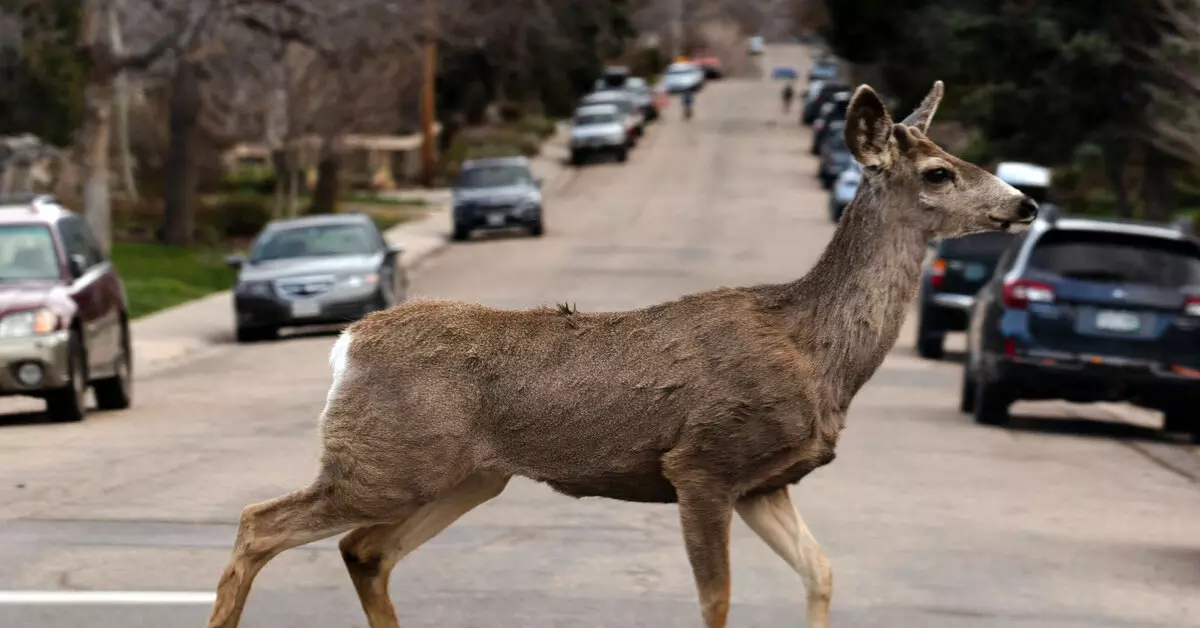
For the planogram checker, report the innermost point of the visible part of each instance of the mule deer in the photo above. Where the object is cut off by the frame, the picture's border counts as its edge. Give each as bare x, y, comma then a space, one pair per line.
717, 401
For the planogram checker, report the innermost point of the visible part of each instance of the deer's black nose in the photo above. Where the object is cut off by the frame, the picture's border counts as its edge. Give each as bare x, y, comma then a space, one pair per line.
1028, 209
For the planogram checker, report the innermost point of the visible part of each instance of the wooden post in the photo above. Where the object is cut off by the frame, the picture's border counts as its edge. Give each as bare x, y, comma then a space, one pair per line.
428, 96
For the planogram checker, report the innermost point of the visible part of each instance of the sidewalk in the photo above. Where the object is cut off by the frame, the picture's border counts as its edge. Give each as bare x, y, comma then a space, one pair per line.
203, 326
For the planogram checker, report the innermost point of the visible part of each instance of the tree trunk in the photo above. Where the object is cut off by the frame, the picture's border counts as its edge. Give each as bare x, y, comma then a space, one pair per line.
325, 195
1158, 185
182, 173
279, 162
123, 86
97, 136
1115, 159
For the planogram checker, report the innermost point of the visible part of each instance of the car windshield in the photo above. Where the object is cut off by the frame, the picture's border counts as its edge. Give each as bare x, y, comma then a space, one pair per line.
680, 70
1117, 258
494, 176
586, 119
27, 252
978, 247
314, 241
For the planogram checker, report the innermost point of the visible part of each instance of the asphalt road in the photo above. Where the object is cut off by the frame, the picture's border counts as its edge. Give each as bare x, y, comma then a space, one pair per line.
930, 521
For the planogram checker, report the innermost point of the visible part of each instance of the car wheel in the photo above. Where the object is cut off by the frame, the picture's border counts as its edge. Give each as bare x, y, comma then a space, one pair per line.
460, 233
623, 155
116, 392
826, 182
536, 229
966, 394
66, 405
1183, 418
930, 344
576, 158
991, 403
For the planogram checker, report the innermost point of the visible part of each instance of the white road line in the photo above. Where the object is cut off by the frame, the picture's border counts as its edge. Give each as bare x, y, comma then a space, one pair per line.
106, 597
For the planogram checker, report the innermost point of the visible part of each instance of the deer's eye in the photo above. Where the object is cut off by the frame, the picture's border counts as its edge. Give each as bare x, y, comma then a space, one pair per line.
938, 175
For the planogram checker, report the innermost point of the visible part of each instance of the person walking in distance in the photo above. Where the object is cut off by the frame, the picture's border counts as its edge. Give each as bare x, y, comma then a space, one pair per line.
689, 99
789, 93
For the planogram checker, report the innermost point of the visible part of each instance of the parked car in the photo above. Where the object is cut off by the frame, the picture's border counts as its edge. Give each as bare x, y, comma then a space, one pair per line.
64, 319
834, 109
316, 270
497, 193
952, 274
824, 69
835, 154
710, 64
844, 189
755, 45
635, 122
683, 76
810, 93
784, 73
1090, 310
614, 77
828, 89
643, 97
598, 129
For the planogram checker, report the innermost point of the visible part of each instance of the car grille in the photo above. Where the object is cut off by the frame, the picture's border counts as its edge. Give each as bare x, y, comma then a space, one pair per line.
304, 287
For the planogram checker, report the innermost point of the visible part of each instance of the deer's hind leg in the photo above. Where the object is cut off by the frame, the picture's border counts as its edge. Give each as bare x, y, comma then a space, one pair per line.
269, 528
773, 517
372, 552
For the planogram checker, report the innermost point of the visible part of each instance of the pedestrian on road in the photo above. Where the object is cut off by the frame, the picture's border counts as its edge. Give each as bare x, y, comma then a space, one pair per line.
789, 93
689, 98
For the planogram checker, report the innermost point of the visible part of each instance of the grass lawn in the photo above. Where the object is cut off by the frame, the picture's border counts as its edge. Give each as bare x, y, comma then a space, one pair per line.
158, 276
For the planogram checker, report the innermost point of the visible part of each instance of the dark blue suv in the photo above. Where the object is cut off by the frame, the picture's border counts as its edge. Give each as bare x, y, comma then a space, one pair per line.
1090, 310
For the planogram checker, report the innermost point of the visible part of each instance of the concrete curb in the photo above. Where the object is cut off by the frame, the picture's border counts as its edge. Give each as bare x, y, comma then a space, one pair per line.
204, 326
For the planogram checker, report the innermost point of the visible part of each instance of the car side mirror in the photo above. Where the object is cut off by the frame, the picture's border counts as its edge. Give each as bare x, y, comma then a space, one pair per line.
395, 248
237, 260
77, 264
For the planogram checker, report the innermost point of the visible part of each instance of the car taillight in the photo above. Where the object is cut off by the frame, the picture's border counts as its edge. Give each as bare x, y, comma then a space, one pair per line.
938, 272
1192, 306
1019, 293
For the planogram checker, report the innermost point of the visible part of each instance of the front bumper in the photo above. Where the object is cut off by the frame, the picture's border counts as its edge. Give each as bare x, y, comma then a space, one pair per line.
1090, 378
50, 352
335, 306
597, 144
505, 217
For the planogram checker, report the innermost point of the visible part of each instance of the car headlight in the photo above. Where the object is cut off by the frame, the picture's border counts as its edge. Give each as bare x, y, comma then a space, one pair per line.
360, 280
255, 288
28, 323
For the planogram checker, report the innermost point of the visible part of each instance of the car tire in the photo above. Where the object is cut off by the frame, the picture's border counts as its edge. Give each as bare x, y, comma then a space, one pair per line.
966, 393
536, 229
826, 182
256, 334
576, 158
991, 403
1183, 418
623, 155
930, 346
460, 233
67, 404
116, 392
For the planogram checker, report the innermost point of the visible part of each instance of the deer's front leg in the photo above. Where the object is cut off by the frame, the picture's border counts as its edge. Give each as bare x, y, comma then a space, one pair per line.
705, 513
776, 521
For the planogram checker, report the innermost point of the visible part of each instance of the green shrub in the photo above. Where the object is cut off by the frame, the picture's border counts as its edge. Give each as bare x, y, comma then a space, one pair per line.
540, 126
249, 181
238, 215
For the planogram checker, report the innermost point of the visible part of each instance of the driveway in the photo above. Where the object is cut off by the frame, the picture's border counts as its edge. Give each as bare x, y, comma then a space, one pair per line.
930, 520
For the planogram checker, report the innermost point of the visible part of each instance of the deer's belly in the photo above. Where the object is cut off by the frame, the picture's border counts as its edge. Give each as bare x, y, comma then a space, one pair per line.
629, 487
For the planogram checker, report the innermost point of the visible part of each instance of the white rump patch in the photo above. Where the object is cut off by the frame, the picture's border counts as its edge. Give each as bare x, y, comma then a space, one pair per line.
339, 361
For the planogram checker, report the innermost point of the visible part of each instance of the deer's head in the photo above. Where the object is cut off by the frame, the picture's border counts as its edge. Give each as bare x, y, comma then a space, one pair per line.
925, 185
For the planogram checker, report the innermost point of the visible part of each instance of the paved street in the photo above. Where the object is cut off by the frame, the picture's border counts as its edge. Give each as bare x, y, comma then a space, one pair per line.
930, 520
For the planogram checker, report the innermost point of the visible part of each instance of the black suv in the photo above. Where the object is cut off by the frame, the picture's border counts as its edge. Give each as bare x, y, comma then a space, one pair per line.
1090, 310
953, 273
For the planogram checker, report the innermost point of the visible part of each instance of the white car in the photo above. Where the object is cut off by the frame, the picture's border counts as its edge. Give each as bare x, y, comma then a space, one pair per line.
684, 76
635, 120
844, 189
755, 45
599, 129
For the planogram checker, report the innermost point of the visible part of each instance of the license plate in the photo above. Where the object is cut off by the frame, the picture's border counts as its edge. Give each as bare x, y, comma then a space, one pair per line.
974, 272
1117, 321
304, 309
495, 219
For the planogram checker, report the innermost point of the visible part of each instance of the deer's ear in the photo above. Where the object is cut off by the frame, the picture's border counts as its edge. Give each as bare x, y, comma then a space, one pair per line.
869, 129
921, 117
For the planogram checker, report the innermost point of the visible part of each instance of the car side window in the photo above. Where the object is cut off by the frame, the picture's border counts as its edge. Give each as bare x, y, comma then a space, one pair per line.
78, 240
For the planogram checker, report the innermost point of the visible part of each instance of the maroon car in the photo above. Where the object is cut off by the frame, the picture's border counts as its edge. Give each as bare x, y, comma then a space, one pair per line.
63, 319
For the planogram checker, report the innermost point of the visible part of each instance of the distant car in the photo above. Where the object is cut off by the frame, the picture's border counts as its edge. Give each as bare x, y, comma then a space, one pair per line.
614, 77
635, 121
598, 129
1090, 310
834, 109
710, 64
684, 76
835, 154
64, 320
785, 74
956, 269
497, 193
844, 189
812, 108
755, 45
824, 69
316, 270
643, 97
811, 92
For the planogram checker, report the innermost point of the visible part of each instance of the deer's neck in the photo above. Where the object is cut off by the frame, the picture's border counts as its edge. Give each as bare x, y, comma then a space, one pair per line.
848, 310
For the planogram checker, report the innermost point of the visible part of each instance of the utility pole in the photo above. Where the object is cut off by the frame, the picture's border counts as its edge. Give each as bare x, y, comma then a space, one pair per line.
428, 95
676, 22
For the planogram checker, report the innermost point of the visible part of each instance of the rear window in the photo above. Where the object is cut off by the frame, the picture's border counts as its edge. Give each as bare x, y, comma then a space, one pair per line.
1117, 258
979, 247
